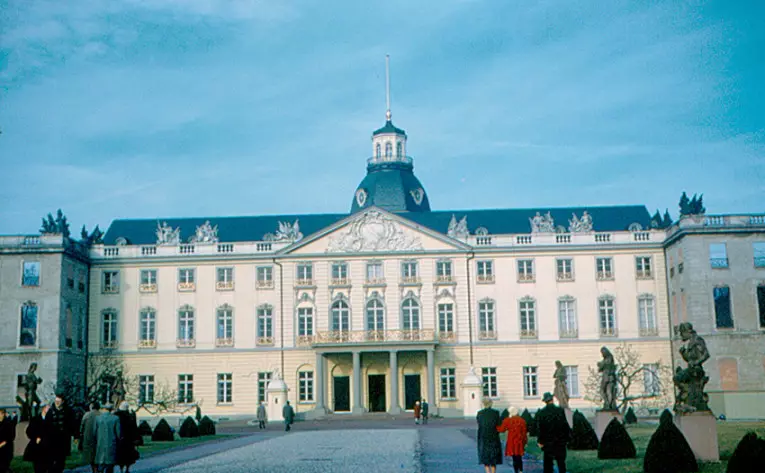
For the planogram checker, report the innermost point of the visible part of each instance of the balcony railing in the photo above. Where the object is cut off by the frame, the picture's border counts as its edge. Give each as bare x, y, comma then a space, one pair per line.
718, 263
602, 237
339, 282
147, 344
448, 337
265, 341
645, 274
410, 280
569, 333
525, 278
109, 344
649, 331
605, 275
485, 278
304, 340
147, 288
563, 238
759, 261
374, 336
304, 282
375, 281
529, 333
186, 286
224, 285
265, 284
186, 343
487, 335
565, 276
607, 331
444, 279
224, 342
110, 289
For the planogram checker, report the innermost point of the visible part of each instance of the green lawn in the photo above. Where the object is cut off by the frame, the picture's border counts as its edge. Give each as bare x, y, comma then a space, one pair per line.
728, 435
148, 449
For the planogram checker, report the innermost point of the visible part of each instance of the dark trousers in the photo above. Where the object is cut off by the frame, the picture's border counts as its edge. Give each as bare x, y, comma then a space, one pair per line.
554, 453
40, 466
424, 419
57, 464
262, 424
286, 426
517, 463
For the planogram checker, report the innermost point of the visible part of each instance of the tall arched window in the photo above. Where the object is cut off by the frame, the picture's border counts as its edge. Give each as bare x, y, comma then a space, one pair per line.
148, 326
399, 150
486, 328
607, 309
224, 331
28, 332
265, 325
375, 315
388, 150
567, 326
109, 328
340, 316
378, 152
647, 315
527, 308
410, 311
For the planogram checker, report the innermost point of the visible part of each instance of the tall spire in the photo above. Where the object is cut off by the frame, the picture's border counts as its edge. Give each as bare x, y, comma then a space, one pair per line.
387, 87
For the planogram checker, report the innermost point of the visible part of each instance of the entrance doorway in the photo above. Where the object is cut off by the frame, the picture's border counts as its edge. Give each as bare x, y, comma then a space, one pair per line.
341, 388
411, 390
376, 390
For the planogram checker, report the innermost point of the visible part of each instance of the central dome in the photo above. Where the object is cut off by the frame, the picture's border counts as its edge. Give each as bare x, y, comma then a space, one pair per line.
391, 186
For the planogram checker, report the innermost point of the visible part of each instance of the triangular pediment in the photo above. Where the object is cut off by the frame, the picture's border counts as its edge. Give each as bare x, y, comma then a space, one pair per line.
374, 231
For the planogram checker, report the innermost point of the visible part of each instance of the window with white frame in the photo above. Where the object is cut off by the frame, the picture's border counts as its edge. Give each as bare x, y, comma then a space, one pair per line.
225, 388
339, 273
486, 320
148, 325
305, 386
444, 270
265, 324
265, 276
445, 317
643, 267
145, 389
485, 271
224, 278
264, 377
448, 383
565, 267
647, 315
109, 328
604, 267
341, 320
28, 325
567, 326
305, 273
409, 271
527, 311
305, 321
489, 378
185, 388
572, 380
718, 255
186, 277
30, 274
186, 324
110, 282
225, 324
410, 313
530, 388
525, 270
375, 315
375, 272
606, 307
758, 251
651, 382
148, 276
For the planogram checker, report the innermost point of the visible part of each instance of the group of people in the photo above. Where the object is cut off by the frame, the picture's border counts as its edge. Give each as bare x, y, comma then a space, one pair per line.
109, 438
421, 412
554, 433
50, 438
288, 413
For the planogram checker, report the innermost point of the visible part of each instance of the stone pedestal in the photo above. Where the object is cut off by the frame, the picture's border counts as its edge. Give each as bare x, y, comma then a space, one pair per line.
569, 417
472, 394
700, 430
603, 418
276, 395
21, 439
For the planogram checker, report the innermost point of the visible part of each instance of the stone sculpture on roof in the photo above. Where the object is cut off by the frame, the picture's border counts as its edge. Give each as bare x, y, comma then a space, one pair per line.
458, 230
206, 233
542, 223
373, 231
288, 232
580, 225
166, 235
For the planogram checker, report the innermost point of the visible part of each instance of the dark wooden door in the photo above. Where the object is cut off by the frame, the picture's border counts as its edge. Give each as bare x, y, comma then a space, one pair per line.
376, 390
342, 391
411, 390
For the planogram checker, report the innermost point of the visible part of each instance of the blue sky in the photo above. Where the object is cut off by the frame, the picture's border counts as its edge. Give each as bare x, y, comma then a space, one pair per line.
159, 108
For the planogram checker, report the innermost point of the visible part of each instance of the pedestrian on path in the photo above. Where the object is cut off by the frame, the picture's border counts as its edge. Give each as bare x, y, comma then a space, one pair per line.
88, 436
424, 411
554, 434
127, 446
107, 431
517, 436
489, 444
61, 426
417, 412
7, 436
262, 416
37, 450
289, 416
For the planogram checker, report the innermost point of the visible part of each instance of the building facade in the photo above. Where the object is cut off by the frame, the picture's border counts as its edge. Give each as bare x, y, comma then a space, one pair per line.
716, 281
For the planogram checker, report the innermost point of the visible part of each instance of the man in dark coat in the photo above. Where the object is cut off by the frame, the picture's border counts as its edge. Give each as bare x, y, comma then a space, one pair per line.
7, 436
424, 408
88, 436
554, 434
127, 453
59, 421
289, 416
107, 430
489, 444
37, 451
262, 416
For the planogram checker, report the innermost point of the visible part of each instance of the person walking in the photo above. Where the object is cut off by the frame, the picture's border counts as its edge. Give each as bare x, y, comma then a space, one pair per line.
7, 436
37, 450
424, 411
88, 437
489, 444
517, 437
60, 425
107, 432
289, 416
127, 453
417, 412
554, 434
262, 415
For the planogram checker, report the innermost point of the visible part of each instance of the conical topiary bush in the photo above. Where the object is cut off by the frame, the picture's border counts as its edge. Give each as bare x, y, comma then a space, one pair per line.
206, 426
530, 424
189, 428
668, 450
583, 436
144, 429
630, 417
616, 442
749, 453
162, 432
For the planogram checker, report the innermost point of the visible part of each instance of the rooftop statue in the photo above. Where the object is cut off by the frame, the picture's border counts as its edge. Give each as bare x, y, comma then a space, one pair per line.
166, 235
542, 223
458, 230
206, 233
288, 232
580, 225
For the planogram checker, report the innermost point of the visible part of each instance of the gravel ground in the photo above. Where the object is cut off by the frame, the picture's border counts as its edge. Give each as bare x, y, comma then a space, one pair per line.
338, 451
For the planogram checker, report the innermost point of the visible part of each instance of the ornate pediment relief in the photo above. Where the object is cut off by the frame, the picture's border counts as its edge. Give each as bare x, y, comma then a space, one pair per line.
373, 231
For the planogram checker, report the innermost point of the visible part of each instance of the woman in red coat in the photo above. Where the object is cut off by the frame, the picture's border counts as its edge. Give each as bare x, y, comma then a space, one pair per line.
417, 410
517, 437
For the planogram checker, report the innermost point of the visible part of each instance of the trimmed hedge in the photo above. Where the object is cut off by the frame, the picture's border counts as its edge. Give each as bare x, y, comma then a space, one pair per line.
206, 426
583, 436
668, 450
144, 428
189, 428
630, 417
616, 442
749, 453
162, 432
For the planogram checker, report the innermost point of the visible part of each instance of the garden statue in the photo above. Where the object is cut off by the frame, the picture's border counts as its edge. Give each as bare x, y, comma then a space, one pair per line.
690, 381
561, 390
118, 388
608, 380
31, 400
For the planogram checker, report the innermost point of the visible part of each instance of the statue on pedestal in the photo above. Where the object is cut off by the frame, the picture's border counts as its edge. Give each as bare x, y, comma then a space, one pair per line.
690, 381
31, 400
118, 388
608, 380
561, 390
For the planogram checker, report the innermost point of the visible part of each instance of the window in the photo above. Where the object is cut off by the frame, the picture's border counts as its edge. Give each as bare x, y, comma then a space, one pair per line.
305, 274
399, 148
448, 383
110, 282
607, 316
651, 383
388, 150
375, 272
527, 311
30, 275
525, 270
718, 255
186, 279
69, 325
148, 280
604, 267
486, 320
485, 270
265, 324
224, 279
264, 377
572, 380
305, 321
410, 311
185, 388
489, 376
186, 325
761, 304
225, 325
70, 276
265, 276
565, 269
723, 315
28, 328
567, 326
443, 271
446, 318
643, 267
375, 315
340, 316
305, 386
225, 388
146, 389
530, 388
758, 248
148, 327
339, 273
109, 328
81, 281
409, 271
647, 315
378, 151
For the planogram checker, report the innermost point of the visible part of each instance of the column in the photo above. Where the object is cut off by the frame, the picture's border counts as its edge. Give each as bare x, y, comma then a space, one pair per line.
319, 384
431, 381
395, 407
358, 408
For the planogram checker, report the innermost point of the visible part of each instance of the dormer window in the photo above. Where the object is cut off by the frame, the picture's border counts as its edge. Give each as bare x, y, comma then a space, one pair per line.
388, 150
378, 152
399, 150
